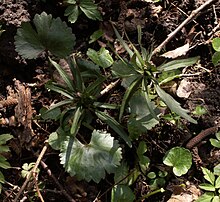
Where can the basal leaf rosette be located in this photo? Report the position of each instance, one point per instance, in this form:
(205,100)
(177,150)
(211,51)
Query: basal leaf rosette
(49,34)
(88,161)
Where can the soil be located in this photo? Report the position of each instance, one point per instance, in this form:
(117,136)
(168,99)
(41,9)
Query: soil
(201,87)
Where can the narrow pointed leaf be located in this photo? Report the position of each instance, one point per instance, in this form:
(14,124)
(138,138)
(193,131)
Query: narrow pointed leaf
(122,42)
(76,121)
(59,89)
(64,75)
(131,89)
(173,104)
(175,64)
(114,125)
(148,101)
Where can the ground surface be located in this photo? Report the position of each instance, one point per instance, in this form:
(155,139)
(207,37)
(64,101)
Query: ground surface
(201,87)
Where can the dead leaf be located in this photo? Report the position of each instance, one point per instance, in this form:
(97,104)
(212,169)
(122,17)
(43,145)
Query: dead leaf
(177,52)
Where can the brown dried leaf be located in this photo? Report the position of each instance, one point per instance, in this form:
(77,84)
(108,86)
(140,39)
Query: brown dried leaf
(177,52)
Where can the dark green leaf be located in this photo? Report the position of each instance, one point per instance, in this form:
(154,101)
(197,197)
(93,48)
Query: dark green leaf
(175,64)
(52,35)
(173,104)
(96,35)
(129,92)
(72,12)
(114,125)
(3,163)
(77,118)
(122,193)
(4,138)
(64,75)
(101,57)
(90,9)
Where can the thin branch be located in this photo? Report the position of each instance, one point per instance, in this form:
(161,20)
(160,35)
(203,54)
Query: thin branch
(193,15)
(45,167)
(31,173)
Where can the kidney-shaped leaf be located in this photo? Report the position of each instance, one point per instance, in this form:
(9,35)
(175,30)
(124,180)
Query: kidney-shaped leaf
(51,34)
(90,161)
(180,159)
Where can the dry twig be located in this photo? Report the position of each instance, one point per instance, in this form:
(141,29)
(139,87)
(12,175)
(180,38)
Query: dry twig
(193,15)
(32,173)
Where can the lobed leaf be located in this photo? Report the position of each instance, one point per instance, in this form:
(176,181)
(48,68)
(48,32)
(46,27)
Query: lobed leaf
(51,35)
(90,161)
(208,175)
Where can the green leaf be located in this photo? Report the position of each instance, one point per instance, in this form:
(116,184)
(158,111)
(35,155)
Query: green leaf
(174,105)
(90,161)
(72,11)
(144,161)
(140,119)
(151,175)
(51,35)
(90,9)
(216,44)
(175,64)
(207,187)
(129,92)
(216,58)
(180,159)
(217,170)
(57,138)
(148,102)
(208,175)
(3,163)
(101,57)
(200,110)
(218,135)
(217,182)
(63,90)
(122,42)
(216,199)
(77,118)
(57,105)
(27,42)
(123,69)
(142,148)
(114,125)
(52,114)
(4,138)
(96,35)
(122,193)
(214,142)
(2,178)
(207,197)
(121,174)
(63,75)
